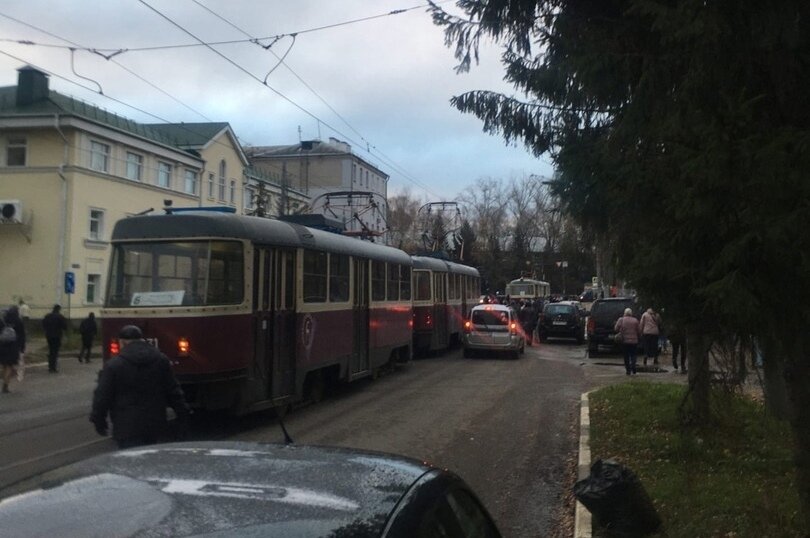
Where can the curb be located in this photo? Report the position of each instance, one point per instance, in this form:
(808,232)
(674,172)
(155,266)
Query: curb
(583,527)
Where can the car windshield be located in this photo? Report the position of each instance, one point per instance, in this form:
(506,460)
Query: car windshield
(559,309)
(490,317)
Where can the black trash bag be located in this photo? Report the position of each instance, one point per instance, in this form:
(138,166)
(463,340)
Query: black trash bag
(617,500)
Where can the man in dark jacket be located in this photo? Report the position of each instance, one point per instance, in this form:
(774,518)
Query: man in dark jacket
(135,388)
(54,325)
(88,331)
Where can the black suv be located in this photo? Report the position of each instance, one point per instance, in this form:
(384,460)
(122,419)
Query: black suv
(602,319)
(560,319)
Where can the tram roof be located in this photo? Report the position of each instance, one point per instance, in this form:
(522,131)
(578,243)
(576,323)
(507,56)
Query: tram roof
(258,230)
(527,281)
(437,264)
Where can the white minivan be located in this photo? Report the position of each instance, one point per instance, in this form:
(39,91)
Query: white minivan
(493,327)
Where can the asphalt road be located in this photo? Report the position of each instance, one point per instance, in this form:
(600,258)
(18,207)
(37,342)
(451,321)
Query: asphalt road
(503,425)
(507,427)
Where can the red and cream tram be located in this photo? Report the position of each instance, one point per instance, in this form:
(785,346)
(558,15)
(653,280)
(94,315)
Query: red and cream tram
(444,293)
(254,312)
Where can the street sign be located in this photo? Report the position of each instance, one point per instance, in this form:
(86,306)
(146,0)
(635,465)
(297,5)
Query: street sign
(70,282)
(595,281)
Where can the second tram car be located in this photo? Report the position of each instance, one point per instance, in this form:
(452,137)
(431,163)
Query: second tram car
(528,289)
(254,312)
(444,293)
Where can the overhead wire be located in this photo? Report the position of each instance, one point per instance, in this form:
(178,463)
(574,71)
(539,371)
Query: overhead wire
(254,77)
(385,158)
(76,46)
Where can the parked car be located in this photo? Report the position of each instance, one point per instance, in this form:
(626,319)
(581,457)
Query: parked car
(602,319)
(244,489)
(494,327)
(563,319)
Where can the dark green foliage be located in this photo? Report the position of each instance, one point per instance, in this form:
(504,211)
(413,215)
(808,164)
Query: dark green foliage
(681,131)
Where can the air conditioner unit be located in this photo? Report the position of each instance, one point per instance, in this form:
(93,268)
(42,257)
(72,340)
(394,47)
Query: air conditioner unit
(11,212)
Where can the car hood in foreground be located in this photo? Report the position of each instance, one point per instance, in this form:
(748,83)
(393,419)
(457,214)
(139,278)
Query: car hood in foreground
(213,489)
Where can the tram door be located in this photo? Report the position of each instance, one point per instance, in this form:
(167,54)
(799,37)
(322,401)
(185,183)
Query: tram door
(263,323)
(360,314)
(283,349)
(440,336)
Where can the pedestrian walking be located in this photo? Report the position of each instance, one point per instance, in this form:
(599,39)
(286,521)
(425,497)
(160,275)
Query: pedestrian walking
(12,318)
(134,388)
(677,337)
(627,328)
(649,326)
(88,330)
(54,324)
(9,352)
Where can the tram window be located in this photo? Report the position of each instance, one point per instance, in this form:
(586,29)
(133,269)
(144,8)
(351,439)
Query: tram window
(392,285)
(338,278)
(315,271)
(405,284)
(189,273)
(421,282)
(377,281)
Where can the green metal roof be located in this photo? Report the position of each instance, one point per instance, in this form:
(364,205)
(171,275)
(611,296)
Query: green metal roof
(185,136)
(189,134)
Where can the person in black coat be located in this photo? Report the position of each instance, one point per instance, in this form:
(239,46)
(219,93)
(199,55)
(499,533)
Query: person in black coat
(9,352)
(13,320)
(135,387)
(54,325)
(88,330)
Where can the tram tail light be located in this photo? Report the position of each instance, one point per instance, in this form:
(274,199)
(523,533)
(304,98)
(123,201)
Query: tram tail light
(114,347)
(183,347)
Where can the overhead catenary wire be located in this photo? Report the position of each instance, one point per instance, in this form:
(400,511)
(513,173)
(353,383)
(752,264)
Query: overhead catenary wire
(114,51)
(384,158)
(257,79)
(75,46)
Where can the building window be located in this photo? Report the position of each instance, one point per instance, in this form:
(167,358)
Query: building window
(96,231)
(191,182)
(16,152)
(99,156)
(247,198)
(164,175)
(232,192)
(93,288)
(134,166)
(211,185)
(222,174)
(366,178)
(354,173)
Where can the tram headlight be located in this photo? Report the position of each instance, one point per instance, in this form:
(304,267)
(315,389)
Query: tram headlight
(183,347)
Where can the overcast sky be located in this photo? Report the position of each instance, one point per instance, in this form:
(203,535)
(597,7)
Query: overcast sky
(390,78)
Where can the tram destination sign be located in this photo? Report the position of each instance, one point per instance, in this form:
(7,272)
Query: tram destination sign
(157,298)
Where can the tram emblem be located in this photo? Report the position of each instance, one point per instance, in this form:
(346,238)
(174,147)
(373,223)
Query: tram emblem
(308,333)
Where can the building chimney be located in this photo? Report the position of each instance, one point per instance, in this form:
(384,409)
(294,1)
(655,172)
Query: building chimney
(32,86)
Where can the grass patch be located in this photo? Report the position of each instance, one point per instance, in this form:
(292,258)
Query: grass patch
(731,478)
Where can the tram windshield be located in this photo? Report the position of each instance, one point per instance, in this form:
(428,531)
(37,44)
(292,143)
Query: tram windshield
(181,273)
(521,289)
